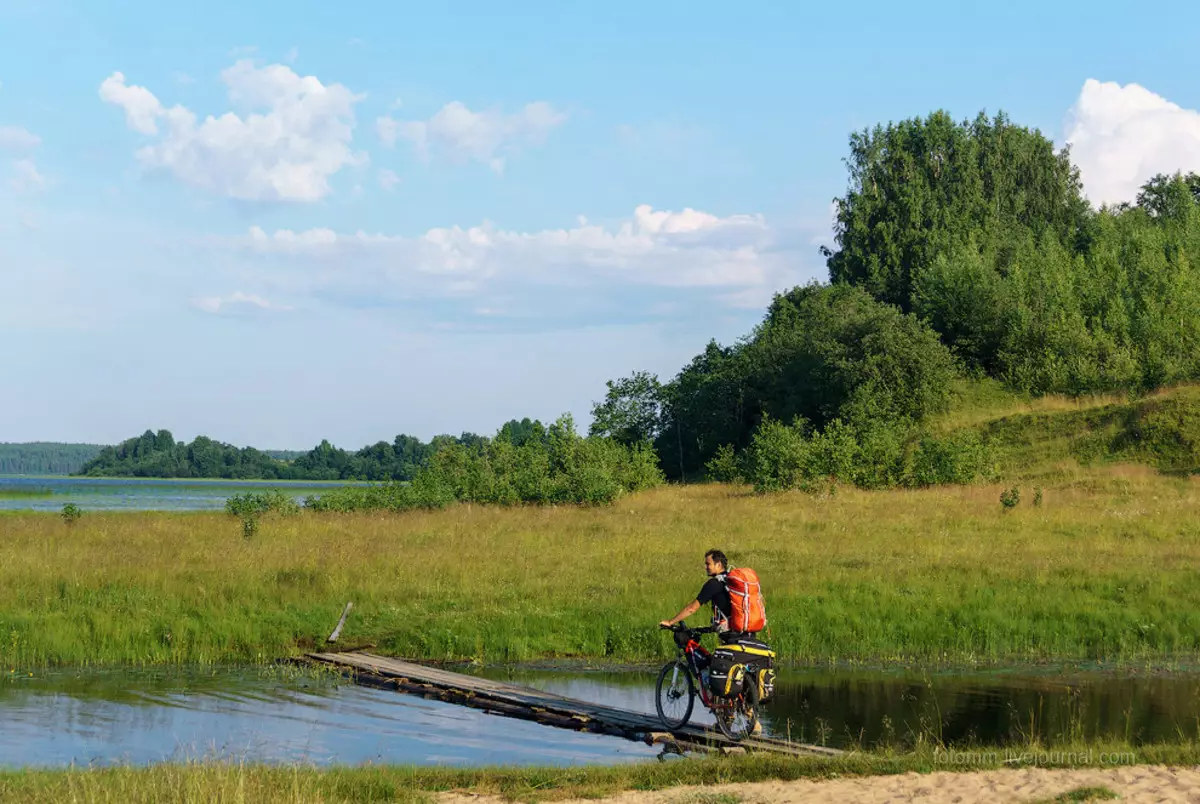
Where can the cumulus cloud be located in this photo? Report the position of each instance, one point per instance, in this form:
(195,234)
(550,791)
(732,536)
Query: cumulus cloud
(15,138)
(294,133)
(26,178)
(1121,136)
(736,261)
(237,301)
(486,136)
(388,179)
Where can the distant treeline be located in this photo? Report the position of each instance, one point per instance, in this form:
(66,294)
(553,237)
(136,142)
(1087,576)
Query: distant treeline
(158,454)
(45,458)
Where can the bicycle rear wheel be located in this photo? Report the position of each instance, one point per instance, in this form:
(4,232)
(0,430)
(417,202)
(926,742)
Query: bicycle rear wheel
(674,695)
(737,717)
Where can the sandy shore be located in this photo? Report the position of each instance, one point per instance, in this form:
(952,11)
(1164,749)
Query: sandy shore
(1137,783)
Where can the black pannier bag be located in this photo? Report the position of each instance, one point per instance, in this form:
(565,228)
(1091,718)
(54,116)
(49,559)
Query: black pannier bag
(759,660)
(726,673)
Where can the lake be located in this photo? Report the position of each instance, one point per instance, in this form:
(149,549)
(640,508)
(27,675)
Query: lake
(281,715)
(29,492)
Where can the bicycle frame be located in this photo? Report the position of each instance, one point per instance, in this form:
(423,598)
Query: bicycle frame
(694,653)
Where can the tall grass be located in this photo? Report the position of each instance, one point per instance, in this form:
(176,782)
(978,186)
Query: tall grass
(1105,568)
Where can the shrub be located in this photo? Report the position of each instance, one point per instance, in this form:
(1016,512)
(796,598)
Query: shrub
(871,455)
(724,466)
(561,468)
(71,513)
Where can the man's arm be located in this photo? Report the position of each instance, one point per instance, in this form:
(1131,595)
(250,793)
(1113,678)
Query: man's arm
(684,613)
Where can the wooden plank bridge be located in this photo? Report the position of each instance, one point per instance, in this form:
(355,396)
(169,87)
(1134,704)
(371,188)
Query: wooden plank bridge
(544,707)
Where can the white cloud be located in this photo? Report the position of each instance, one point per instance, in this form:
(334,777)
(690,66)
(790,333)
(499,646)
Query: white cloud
(1121,136)
(387,129)
(142,109)
(27,179)
(287,153)
(738,260)
(237,300)
(15,138)
(388,179)
(482,136)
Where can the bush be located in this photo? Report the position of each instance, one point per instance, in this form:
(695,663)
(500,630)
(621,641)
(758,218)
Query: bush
(259,503)
(872,455)
(253,505)
(960,457)
(724,466)
(71,513)
(561,468)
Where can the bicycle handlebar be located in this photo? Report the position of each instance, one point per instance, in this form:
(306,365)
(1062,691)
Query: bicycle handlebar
(706,629)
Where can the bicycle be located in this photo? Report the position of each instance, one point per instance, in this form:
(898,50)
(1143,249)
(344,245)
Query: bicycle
(687,674)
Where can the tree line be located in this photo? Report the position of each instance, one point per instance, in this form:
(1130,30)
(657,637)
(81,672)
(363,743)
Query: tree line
(158,454)
(964,249)
(45,457)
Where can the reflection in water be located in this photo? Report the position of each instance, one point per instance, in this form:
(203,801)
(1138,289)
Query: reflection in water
(145,717)
(845,708)
(142,718)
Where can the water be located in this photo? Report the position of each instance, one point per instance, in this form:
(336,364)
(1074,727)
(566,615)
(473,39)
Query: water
(865,708)
(140,494)
(101,718)
(142,718)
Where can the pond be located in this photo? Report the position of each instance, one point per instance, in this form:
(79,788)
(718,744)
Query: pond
(140,494)
(282,716)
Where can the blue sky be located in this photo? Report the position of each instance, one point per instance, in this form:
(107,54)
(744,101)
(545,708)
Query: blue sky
(292,221)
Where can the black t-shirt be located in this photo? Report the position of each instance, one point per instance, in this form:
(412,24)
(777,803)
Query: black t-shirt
(714,592)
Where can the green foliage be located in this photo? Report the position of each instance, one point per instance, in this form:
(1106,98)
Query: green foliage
(45,458)
(1010,497)
(869,455)
(922,187)
(630,412)
(960,457)
(258,503)
(71,513)
(251,507)
(724,467)
(554,466)
(821,353)
(159,455)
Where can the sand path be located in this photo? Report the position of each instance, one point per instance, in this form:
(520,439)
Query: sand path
(1137,783)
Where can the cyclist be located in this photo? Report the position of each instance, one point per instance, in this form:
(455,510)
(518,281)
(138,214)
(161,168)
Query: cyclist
(714,592)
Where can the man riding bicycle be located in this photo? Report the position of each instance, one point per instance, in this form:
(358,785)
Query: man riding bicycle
(715,592)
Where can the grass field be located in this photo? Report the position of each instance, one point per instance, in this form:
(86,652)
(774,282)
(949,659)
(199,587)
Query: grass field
(1106,568)
(259,783)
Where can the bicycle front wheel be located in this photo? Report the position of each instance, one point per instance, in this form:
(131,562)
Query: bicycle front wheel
(674,695)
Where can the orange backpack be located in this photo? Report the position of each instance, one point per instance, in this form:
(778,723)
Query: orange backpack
(749,610)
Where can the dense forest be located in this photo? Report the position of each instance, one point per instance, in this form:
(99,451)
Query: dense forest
(963,249)
(45,458)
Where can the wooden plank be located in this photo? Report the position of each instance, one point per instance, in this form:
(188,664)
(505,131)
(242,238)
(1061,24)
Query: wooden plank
(527,703)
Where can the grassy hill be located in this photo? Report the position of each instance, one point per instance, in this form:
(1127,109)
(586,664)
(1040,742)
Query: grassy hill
(1040,439)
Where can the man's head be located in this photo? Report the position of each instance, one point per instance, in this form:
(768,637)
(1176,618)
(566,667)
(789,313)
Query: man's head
(715,562)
